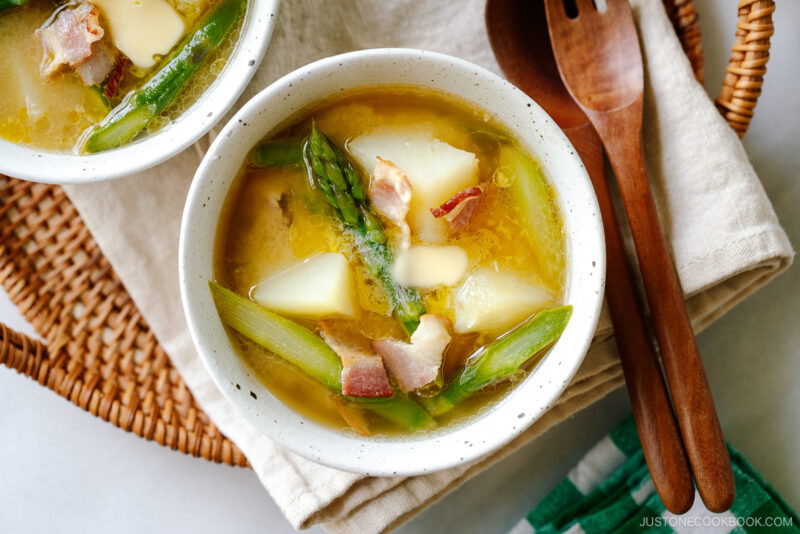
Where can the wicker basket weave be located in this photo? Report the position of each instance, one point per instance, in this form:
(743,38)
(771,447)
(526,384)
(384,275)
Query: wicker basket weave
(99,351)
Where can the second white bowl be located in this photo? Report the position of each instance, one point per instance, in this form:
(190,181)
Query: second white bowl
(28,163)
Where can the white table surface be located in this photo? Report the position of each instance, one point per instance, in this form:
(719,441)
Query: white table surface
(62,470)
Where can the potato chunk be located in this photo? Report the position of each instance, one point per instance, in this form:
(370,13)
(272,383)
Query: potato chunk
(321,286)
(491,301)
(435,169)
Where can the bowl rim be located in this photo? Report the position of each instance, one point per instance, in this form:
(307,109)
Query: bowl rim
(35,165)
(436,451)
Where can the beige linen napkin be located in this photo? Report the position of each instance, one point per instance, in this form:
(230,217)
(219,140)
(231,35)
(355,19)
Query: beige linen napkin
(725,237)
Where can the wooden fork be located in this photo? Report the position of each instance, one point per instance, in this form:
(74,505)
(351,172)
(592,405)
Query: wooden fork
(517,31)
(600,62)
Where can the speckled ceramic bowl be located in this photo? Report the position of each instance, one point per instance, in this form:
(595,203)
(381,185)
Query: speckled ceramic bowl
(28,163)
(585,247)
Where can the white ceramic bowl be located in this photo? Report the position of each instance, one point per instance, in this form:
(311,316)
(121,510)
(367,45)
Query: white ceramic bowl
(28,163)
(533,128)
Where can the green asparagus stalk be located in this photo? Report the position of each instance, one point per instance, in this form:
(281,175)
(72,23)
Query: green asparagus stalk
(278,153)
(143,105)
(343,187)
(538,211)
(10,4)
(502,359)
(280,335)
(308,352)
(398,409)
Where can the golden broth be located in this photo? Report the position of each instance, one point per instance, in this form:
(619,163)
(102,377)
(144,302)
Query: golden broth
(52,114)
(255,242)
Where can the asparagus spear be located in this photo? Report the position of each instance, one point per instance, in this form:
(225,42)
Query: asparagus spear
(502,358)
(278,153)
(308,352)
(143,105)
(342,186)
(10,4)
(538,211)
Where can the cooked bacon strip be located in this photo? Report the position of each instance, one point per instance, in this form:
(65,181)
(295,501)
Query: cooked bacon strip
(417,364)
(97,68)
(351,416)
(458,209)
(68,39)
(114,79)
(390,193)
(363,374)
(74,38)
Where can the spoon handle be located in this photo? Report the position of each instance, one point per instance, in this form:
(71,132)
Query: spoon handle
(652,411)
(621,132)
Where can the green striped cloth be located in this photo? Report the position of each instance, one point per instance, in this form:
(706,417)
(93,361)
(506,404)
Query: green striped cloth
(610,490)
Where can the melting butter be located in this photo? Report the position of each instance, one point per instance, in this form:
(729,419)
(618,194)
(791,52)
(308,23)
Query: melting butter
(429,266)
(142,29)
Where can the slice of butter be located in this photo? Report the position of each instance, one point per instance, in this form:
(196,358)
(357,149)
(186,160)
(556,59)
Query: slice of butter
(142,29)
(427,266)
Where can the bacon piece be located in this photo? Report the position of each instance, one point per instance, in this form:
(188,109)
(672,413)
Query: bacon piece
(68,38)
(458,209)
(97,68)
(114,79)
(74,38)
(390,193)
(363,374)
(417,364)
(354,418)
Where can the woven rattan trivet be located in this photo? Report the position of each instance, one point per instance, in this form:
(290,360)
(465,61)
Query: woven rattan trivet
(99,352)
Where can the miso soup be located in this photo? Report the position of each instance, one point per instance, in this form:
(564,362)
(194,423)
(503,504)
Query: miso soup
(90,75)
(401,255)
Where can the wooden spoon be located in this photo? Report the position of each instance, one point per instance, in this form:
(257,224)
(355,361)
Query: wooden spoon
(518,35)
(600,63)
